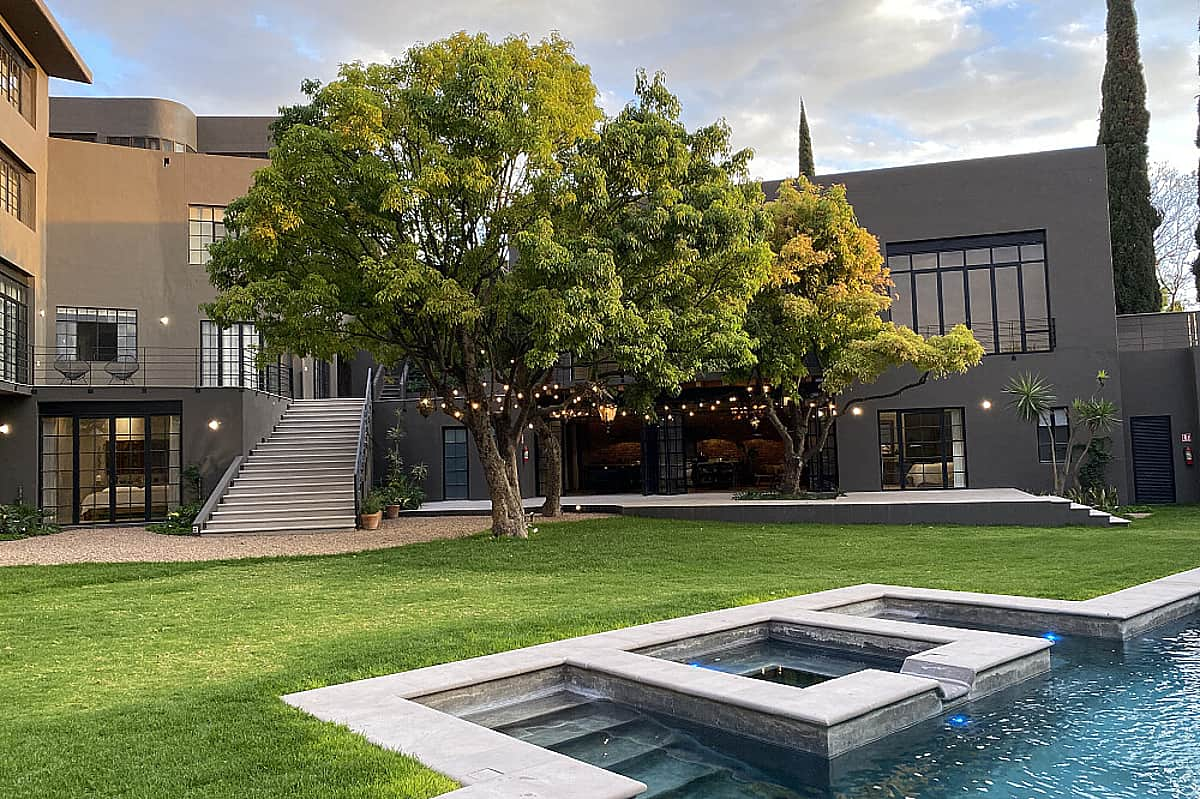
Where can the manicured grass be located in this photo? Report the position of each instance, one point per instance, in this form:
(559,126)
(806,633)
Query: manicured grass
(162,680)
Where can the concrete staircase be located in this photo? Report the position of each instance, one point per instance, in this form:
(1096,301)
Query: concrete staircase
(300,478)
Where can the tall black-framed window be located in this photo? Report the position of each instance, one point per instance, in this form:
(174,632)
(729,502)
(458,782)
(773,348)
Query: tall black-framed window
(95,334)
(455,474)
(16,188)
(1055,422)
(229,356)
(922,448)
(997,285)
(14,331)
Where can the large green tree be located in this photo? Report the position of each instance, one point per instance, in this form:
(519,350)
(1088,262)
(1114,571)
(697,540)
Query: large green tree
(685,228)
(462,209)
(1124,126)
(819,323)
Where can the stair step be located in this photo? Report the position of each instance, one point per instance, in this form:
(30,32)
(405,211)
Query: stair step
(272,515)
(259,493)
(319,481)
(293,526)
(299,501)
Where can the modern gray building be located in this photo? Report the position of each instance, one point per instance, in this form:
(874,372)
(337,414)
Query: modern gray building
(112,381)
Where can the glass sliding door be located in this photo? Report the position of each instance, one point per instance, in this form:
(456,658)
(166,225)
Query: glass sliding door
(922,449)
(98,469)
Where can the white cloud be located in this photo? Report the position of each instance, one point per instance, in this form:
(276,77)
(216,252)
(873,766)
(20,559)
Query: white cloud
(885,81)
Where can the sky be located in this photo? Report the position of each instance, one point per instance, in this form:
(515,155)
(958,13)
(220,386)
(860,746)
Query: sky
(885,82)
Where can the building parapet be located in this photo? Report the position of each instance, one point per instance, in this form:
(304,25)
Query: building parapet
(1174,330)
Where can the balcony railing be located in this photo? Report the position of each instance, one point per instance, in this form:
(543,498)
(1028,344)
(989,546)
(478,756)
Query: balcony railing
(159,367)
(1008,336)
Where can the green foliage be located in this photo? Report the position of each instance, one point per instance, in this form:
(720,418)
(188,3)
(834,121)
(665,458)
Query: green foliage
(178,521)
(1089,420)
(405,485)
(1093,471)
(23,521)
(807,167)
(373,502)
(468,208)
(818,324)
(1124,126)
(1104,498)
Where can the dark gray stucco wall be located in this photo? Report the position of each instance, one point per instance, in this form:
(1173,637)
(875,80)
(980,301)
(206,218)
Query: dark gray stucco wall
(422,443)
(19,449)
(245,418)
(1163,383)
(1063,193)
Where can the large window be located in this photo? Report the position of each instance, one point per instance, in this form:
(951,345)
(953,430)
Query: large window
(923,449)
(16,189)
(996,285)
(14,332)
(96,334)
(108,467)
(206,224)
(228,355)
(1053,424)
(16,79)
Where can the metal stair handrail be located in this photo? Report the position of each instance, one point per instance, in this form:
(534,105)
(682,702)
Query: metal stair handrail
(362,455)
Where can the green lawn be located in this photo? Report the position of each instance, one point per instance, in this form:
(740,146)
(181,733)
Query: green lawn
(162,680)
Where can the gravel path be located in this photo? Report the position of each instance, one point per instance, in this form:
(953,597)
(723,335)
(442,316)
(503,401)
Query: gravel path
(135,544)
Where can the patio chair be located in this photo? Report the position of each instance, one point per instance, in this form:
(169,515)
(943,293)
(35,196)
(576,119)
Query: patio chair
(72,369)
(122,368)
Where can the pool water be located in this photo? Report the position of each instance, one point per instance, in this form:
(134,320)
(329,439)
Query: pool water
(1112,720)
(790,664)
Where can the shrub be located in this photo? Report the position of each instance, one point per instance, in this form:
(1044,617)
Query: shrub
(372,503)
(23,521)
(179,521)
(1103,498)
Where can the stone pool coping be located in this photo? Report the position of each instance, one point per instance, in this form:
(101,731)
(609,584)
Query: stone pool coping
(960,664)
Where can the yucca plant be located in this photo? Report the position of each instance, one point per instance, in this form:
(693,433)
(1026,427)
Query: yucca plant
(1032,399)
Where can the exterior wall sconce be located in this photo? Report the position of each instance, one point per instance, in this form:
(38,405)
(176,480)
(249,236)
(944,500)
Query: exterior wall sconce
(986,405)
(164,320)
(214,424)
(5,429)
(856,410)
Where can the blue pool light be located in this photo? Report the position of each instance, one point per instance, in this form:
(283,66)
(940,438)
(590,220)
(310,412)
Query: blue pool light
(959,720)
(1052,637)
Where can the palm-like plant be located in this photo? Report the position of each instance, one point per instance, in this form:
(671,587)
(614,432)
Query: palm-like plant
(1032,399)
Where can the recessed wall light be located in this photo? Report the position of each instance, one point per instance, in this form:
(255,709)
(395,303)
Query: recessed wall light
(5,429)
(214,424)
(856,410)
(164,320)
(986,405)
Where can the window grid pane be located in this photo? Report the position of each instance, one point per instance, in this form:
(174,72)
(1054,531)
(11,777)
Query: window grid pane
(206,225)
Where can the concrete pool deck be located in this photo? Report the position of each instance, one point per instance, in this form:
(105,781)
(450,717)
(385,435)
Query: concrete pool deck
(420,712)
(978,507)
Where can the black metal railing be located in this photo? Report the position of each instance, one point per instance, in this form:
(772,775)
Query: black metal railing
(363,460)
(1158,331)
(1007,336)
(156,367)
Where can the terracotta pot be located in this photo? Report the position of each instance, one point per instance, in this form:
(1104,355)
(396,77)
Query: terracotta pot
(370,521)
(392,512)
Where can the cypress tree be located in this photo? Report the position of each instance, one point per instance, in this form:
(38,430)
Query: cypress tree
(1196,265)
(1124,126)
(807,167)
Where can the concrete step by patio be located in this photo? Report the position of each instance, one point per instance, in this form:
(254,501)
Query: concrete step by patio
(267,527)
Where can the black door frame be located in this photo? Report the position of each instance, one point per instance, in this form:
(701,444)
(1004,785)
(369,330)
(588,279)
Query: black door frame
(110,411)
(946,442)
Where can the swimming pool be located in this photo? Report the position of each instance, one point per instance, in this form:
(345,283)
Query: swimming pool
(1113,720)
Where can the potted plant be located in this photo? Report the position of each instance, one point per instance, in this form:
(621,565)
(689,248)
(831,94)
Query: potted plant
(393,503)
(371,513)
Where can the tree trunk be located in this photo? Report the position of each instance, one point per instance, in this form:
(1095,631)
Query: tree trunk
(497,453)
(793,460)
(550,451)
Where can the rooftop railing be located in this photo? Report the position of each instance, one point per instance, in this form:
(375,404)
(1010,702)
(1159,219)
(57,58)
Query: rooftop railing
(1158,331)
